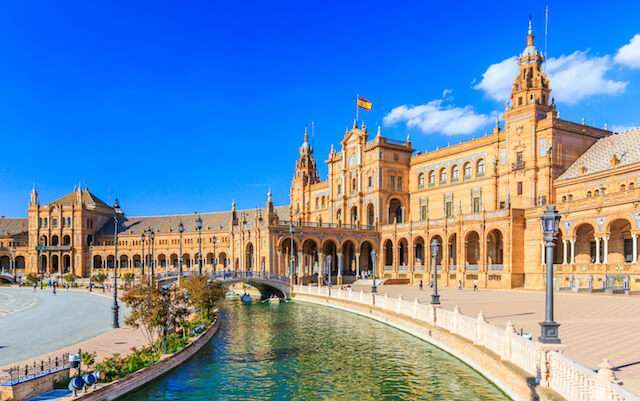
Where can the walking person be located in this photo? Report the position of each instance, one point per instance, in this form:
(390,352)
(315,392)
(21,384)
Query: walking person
(460,284)
(420,284)
(475,285)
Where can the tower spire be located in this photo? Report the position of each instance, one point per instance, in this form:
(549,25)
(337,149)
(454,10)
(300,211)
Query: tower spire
(530,33)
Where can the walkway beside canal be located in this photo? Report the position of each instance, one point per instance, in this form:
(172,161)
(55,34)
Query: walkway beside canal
(592,326)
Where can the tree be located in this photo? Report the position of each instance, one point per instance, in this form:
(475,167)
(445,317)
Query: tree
(99,278)
(69,278)
(154,310)
(128,279)
(202,294)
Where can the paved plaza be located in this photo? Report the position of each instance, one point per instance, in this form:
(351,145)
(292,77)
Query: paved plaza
(34,323)
(593,326)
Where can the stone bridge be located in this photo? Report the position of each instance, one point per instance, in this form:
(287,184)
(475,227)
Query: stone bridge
(268,284)
(6,277)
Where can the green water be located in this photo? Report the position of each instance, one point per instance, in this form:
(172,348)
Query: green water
(297,351)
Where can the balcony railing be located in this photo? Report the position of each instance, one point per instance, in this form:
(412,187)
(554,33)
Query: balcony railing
(404,268)
(496,267)
(518,165)
(388,268)
(311,224)
(472,268)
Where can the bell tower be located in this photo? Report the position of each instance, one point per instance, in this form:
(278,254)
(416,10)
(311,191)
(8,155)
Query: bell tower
(306,174)
(531,86)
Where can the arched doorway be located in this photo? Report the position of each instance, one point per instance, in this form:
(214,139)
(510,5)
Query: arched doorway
(348,259)
(66,263)
(472,251)
(43,263)
(620,244)
(20,262)
(366,262)
(330,254)
(354,215)
(55,268)
(222,259)
(388,255)
(97,262)
(418,253)
(395,211)
(310,262)
(495,250)
(286,257)
(210,260)
(124,262)
(5,263)
(585,244)
(403,255)
(248,257)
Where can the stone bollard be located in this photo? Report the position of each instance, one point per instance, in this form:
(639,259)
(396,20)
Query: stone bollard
(506,345)
(480,324)
(605,377)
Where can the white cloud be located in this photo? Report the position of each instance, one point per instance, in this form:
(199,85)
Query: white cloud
(629,54)
(497,79)
(578,76)
(436,117)
(574,77)
(623,128)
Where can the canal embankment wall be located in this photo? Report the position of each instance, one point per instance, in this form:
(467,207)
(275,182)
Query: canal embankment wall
(135,380)
(523,369)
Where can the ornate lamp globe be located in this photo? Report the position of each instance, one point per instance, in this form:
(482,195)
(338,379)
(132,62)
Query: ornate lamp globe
(180,227)
(199,223)
(435,246)
(550,223)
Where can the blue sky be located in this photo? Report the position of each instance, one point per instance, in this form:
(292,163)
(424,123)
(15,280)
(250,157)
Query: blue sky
(176,107)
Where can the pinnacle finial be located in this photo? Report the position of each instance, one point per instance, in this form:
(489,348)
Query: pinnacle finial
(269,196)
(355,124)
(306,135)
(233,205)
(408,137)
(379,133)
(530,31)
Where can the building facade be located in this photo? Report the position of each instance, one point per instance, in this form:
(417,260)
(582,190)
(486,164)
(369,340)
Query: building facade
(381,206)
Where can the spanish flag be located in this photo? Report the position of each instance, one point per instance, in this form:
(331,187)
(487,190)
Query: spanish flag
(364,104)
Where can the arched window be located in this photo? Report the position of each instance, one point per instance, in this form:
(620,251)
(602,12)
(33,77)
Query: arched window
(467,170)
(317,202)
(623,188)
(421,181)
(589,194)
(480,168)
(432,177)
(443,175)
(54,240)
(632,186)
(66,240)
(339,216)
(455,173)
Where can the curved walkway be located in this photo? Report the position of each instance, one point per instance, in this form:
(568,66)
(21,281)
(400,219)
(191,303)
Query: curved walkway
(35,323)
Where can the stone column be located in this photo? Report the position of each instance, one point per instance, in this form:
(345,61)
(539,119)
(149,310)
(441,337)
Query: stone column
(564,251)
(279,262)
(357,266)
(320,268)
(605,257)
(340,261)
(300,267)
(573,251)
(597,250)
(634,242)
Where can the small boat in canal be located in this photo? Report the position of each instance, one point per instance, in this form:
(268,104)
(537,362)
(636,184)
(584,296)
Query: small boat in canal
(246,299)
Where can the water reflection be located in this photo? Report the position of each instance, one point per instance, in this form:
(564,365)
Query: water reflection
(304,352)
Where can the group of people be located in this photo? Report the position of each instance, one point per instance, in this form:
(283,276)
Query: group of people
(460,287)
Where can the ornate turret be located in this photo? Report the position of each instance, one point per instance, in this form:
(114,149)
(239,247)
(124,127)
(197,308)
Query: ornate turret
(531,86)
(306,174)
(34,197)
(234,213)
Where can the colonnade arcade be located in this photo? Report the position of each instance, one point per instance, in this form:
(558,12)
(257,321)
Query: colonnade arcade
(313,258)
(588,247)
(169,261)
(410,257)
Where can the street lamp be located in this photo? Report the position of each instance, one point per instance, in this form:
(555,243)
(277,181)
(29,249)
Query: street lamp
(199,229)
(116,213)
(180,230)
(374,289)
(143,256)
(152,237)
(435,249)
(550,223)
(214,240)
(292,231)
(329,259)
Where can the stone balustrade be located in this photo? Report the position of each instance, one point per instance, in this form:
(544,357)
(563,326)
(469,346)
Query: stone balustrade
(545,363)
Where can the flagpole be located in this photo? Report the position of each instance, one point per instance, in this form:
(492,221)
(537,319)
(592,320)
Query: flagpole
(357,111)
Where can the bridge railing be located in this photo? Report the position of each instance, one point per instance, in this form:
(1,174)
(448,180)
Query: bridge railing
(549,367)
(229,276)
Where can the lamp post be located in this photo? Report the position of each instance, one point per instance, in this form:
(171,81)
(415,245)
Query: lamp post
(214,240)
(374,289)
(435,249)
(13,259)
(180,231)
(165,297)
(199,229)
(550,223)
(152,235)
(292,231)
(329,260)
(142,237)
(116,213)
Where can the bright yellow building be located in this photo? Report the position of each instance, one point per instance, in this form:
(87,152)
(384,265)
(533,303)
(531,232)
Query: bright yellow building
(481,200)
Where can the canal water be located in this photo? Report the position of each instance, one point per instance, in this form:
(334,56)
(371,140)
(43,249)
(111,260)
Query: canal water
(297,351)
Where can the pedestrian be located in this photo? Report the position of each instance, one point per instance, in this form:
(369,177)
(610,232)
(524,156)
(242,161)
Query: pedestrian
(35,286)
(420,285)
(459,284)
(54,288)
(475,285)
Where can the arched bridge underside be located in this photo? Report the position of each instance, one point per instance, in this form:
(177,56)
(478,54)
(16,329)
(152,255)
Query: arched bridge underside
(6,278)
(267,284)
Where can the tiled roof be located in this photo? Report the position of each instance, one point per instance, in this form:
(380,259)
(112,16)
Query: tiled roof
(164,224)
(13,226)
(89,199)
(625,147)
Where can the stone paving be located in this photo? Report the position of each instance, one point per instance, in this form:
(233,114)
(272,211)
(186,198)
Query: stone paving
(593,326)
(37,324)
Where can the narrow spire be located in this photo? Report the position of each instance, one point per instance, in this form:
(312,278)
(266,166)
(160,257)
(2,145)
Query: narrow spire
(408,137)
(233,205)
(269,196)
(306,135)
(379,133)
(355,124)
(530,33)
